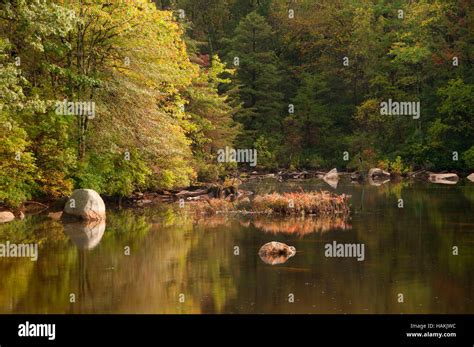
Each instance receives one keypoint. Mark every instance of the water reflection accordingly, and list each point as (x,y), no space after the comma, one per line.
(85,235)
(214,261)
(298,225)
(332,181)
(377,181)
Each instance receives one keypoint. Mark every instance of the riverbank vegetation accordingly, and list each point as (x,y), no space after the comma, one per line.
(313,203)
(321,203)
(171,82)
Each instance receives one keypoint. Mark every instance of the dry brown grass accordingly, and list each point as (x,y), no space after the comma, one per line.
(213,206)
(313,203)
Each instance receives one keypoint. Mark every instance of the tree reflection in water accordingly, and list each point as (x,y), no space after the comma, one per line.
(214,260)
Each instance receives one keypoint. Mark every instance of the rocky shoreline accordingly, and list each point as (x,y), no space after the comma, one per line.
(232,191)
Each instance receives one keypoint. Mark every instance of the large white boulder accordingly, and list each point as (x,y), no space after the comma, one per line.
(85,204)
(6,217)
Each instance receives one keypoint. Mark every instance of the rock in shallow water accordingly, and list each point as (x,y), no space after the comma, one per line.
(85,204)
(445,178)
(376,173)
(276,252)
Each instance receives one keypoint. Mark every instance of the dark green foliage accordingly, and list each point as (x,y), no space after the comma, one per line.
(257,78)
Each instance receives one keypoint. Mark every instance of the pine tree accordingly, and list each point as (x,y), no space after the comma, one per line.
(308,129)
(257,79)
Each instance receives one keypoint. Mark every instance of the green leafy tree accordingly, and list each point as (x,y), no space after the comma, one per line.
(210,124)
(17,167)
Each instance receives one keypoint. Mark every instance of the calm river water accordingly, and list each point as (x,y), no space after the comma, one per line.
(181,263)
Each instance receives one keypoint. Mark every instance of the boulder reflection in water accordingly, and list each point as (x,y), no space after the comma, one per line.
(85,235)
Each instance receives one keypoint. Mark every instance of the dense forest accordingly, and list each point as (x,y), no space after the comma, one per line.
(120,96)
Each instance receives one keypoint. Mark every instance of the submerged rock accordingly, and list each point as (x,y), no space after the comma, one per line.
(276,252)
(6,217)
(85,204)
